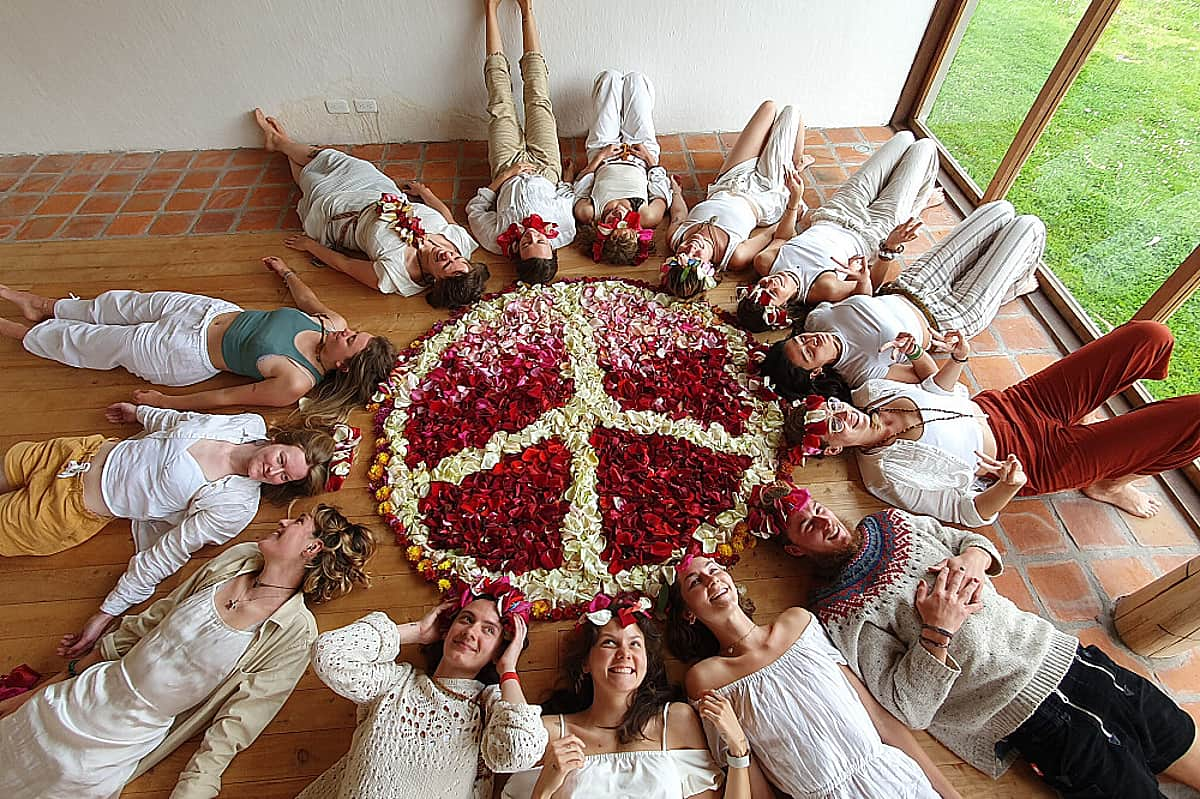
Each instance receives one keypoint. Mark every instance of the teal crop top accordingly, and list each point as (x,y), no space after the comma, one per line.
(256,334)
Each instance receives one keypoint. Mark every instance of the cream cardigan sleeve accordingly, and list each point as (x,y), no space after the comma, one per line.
(514,737)
(358,661)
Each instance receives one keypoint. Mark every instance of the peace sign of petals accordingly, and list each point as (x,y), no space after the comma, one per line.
(579,437)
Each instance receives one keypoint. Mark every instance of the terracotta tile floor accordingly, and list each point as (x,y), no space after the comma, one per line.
(1066,557)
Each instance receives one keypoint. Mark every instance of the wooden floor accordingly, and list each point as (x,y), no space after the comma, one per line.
(42,598)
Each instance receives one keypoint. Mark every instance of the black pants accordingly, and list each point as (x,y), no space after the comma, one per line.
(1105,732)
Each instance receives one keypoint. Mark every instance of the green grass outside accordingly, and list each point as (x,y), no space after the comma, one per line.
(1116,175)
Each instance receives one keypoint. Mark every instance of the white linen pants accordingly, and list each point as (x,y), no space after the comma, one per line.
(888,189)
(621,112)
(161,337)
(985,262)
(759,180)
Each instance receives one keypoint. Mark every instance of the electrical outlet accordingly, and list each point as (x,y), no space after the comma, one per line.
(366,106)
(337,106)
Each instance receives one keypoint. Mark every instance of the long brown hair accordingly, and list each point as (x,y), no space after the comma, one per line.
(352,386)
(318,446)
(647,700)
(620,248)
(691,641)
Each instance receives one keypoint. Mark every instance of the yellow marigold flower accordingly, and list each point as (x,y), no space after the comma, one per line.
(738,546)
(383,492)
(443,585)
(375,472)
(423,564)
(725,551)
(381,443)
(386,508)
(541,609)
(372,407)
(383,458)
(413,553)
(444,566)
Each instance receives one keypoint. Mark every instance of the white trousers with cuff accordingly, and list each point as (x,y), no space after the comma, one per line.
(161,337)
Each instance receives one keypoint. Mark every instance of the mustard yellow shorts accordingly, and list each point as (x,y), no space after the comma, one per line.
(44,513)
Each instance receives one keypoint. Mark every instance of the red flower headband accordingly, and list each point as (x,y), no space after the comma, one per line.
(632,221)
(771,505)
(774,316)
(511,238)
(345,447)
(816,425)
(510,600)
(604,608)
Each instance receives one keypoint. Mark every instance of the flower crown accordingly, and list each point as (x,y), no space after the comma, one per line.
(398,212)
(604,608)
(706,274)
(816,424)
(510,239)
(631,221)
(510,600)
(771,505)
(345,447)
(774,316)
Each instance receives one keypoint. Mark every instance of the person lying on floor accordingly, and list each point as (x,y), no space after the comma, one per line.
(909,603)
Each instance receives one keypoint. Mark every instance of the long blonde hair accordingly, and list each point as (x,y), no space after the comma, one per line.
(341,564)
(352,386)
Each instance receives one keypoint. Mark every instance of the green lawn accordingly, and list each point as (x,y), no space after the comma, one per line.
(1116,175)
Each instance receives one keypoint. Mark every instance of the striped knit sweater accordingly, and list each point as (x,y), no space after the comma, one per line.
(1002,663)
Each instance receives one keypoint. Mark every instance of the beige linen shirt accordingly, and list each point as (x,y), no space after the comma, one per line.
(244,704)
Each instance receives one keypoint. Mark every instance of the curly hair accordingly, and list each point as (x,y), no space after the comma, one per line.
(460,290)
(340,565)
(647,701)
(691,641)
(538,270)
(314,438)
(683,282)
(344,389)
(620,248)
(794,382)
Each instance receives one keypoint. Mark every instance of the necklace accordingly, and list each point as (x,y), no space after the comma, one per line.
(233,604)
(450,692)
(947,416)
(729,649)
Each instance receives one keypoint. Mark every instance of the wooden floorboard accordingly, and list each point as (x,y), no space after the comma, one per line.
(42,598)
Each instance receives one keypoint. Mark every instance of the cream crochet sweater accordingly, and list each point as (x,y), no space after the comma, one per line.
(414,738)
(1002,663)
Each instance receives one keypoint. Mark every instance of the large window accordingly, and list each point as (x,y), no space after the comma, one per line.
(1115,172)
(1008,48)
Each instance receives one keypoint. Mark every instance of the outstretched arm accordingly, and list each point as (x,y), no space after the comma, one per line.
(679,209)
(304,297)
(429,198)
(278,391)
(358,268)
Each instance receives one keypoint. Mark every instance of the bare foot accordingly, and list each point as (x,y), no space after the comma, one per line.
(34,307)
(936,198)
(1125,496)
(14,330)
(273,134)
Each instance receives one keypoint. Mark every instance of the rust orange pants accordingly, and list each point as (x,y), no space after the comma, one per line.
(1038,419)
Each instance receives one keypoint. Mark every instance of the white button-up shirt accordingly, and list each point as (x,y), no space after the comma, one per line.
(489,214)
(217,512)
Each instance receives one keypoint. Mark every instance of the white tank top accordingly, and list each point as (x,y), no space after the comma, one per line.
(655,774)
(865,324)
(617,180)
(727,211)
(809,255)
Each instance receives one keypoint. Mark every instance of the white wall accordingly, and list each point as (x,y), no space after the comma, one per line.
(83,75)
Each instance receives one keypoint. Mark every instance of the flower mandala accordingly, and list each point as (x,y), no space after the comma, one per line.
(579,437)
